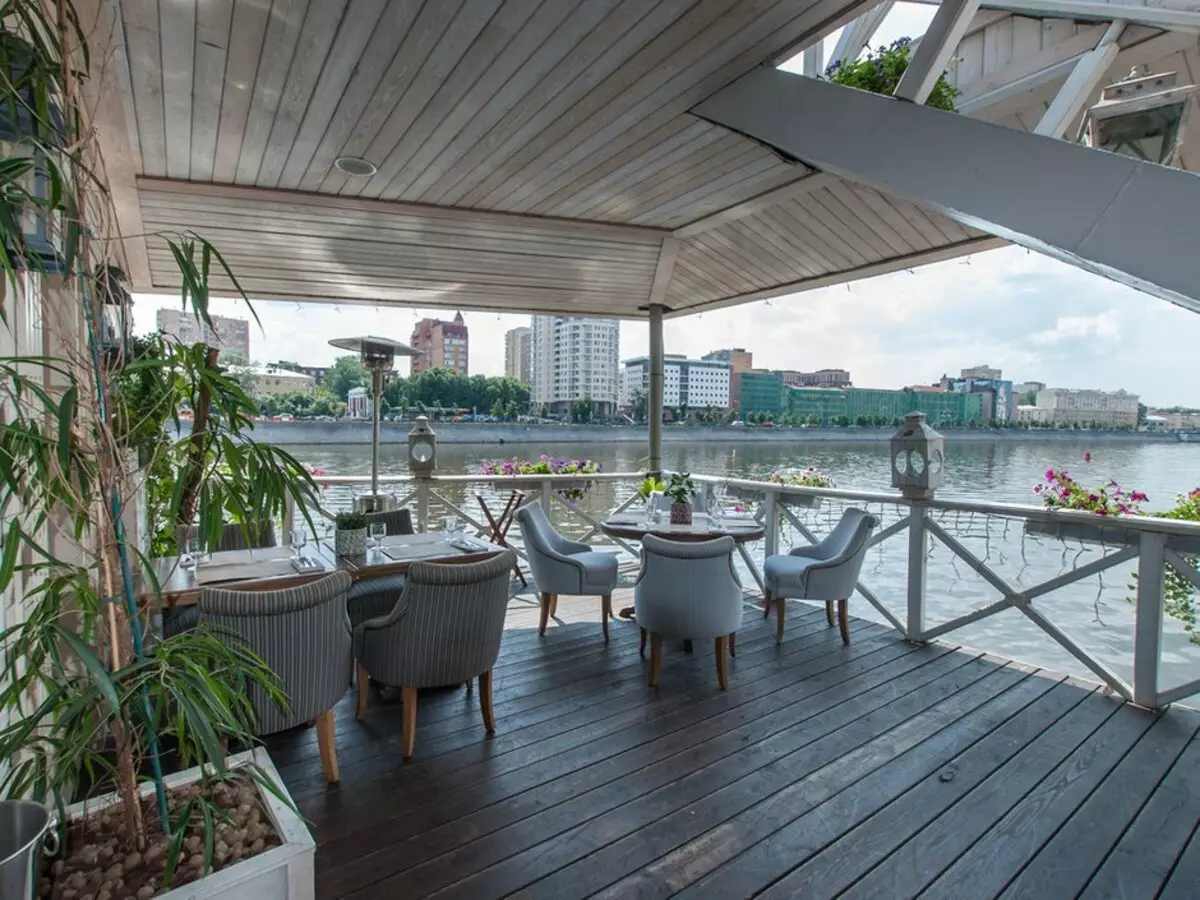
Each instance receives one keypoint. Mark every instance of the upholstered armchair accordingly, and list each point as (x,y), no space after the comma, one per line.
(445,629)
(370,598)
(302,633)
(825,571)
(561,566)
(688,590)
(233,537)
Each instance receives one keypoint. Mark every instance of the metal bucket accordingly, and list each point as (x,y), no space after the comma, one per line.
(24,828)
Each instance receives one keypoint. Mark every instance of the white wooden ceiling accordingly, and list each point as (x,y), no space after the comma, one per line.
(501,128)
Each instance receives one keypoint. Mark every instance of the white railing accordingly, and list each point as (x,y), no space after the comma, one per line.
(921,571)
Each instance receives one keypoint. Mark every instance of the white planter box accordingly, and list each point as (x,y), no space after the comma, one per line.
(281,873)
(1113,535)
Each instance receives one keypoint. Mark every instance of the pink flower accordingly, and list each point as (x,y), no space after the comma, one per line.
(1087,456)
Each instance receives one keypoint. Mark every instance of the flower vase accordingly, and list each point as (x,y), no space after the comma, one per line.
(681,514)
(350,541)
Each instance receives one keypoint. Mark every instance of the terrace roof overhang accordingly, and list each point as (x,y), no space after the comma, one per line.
(577,157)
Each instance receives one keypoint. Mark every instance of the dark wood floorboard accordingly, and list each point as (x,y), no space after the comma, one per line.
(881,769)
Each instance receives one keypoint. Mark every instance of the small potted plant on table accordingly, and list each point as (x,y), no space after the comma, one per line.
(350,534)
(680,490)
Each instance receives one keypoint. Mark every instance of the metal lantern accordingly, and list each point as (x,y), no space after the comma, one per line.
(116,320)
(422,448)
(1142,117)
(918,458)
(377,355)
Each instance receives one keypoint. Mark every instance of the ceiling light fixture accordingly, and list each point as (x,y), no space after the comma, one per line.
(355,166)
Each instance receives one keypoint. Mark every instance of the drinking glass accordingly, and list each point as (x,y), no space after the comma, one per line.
(378,533)
(191,555)
(450,524)
(299,539)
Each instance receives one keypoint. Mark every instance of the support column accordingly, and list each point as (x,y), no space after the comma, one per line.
(377,402)
(654,409)
(1148,626)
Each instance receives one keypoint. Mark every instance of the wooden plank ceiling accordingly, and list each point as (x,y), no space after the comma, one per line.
(533,155)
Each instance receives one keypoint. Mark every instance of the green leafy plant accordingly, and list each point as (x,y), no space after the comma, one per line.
(681,488)
(880,70)
(350,521)
(649,485)
(808,477)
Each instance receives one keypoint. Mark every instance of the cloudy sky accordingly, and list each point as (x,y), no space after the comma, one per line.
(1037,319)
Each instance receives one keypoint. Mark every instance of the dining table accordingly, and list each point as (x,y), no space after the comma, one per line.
(276,568)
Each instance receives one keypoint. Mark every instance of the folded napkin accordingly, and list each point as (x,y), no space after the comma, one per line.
(466,543)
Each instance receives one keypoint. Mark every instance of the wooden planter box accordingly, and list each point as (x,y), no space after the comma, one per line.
(281,873)
(1113,535)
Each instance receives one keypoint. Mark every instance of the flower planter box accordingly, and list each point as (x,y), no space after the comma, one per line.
(280,873)
(790,497)
(1113,535)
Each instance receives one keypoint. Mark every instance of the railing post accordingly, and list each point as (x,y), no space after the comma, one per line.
(544,489)
(422,505)
(289,520)
(1147,634)
(771,520)
(917,548)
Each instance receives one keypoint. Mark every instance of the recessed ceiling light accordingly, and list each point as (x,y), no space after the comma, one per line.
(355,166)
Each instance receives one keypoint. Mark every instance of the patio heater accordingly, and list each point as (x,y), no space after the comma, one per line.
(1142,116)
(377,355)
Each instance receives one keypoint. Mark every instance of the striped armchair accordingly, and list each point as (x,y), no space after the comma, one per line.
(303,634)
(176,620)
(688,590)
(370,598)
(446,629)
(561,566)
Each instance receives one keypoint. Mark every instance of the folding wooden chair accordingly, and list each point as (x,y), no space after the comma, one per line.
(500,524)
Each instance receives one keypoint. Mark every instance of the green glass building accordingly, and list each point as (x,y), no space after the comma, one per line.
(761,392)
(882,406)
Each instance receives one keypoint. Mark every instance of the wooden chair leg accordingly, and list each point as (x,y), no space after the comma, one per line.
(485,701)
(554,604)
(720,648)
(545,612)
(779,606)
(844,619)
(733,644)
(326,747)
(642,643)
(655,657)
(766,604)
(606,613)
(363,691)
(408,718)
(829,612)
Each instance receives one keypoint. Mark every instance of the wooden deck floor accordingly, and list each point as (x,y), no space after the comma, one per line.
(878,770)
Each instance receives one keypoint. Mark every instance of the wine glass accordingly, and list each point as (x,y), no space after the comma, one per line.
(378,533)
(450,525)
(191,556)
(299,539)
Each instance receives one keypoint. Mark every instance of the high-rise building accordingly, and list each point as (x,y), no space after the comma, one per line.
(687,383)
(230,336)
(443,345)
(575,358)
(740,360)
(518,354)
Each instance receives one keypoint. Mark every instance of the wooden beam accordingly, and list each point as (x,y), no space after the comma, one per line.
(1085,77)
(814,60)
(639,233)
(1171,15)
(664,270)
(813,181)
(858,33)
(940,40)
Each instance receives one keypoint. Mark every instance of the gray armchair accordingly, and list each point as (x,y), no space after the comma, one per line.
(446,629)
(688,590)
(825,571)
(561,566)
(302,633)
(233,537)
(370,598)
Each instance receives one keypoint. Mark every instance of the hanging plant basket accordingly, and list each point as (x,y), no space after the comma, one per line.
(1113,535)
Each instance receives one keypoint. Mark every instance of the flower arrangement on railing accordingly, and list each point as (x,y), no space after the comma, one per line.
(1061,491)
(811,476)
(547,465)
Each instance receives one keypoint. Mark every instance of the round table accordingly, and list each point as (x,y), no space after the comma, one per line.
(701,529)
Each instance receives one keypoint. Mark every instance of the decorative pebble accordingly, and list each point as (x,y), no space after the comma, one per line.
(257,846)
(145,892)
(133,860)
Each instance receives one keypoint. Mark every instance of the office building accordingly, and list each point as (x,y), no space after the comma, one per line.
(760,391)
(230,336)
(999,396)
(980,372)
(850,406)
(1085,408)
(740,360)
(819,378)
(518,354)
(271,379)
(575,358)
(443,345)
(687,383)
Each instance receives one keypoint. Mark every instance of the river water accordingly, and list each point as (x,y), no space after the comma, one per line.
(1094,612)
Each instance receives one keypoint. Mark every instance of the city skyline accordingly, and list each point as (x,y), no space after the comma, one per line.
(1032,317)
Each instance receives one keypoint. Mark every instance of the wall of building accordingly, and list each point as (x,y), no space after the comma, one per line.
(573,358)
(828,405)
(760,392)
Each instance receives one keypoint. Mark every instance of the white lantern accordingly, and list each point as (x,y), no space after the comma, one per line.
(422,448)
(1142,117)
(918,458)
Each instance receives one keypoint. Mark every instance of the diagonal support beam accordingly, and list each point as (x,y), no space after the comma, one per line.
(1170,15)
(1077,89)
(1130,221)
(941,39)
(858,33)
